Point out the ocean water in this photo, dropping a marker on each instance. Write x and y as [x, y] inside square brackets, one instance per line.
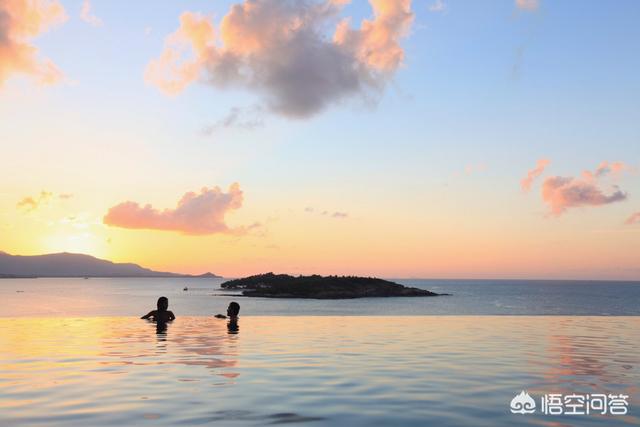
[316, 371]
[74, 353]
[130, 297]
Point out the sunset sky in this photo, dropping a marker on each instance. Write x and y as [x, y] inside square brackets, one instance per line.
[398, 138]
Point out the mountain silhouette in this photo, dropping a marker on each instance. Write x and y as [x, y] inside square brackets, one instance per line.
[75, 265]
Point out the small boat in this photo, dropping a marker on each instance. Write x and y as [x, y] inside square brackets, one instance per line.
[185, 289]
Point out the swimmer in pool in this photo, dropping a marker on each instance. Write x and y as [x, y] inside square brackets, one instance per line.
[162, 314]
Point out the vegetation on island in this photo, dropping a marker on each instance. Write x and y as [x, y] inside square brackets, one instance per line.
[271, 285]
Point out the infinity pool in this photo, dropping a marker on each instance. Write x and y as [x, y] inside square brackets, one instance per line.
[431, 370]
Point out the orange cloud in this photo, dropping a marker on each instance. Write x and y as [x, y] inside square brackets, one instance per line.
[196, 213]
[30, 203]
[533, 174]
[633, 219]
[281, 50]
[21, 20]
[376, 43]
[562, 193]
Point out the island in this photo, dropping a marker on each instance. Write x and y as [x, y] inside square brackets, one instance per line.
[272, 285]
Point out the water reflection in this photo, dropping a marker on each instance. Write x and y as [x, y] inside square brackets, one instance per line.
[582, 358]
[232, 327]
[161, 328]
[373, 371]
[186, 341]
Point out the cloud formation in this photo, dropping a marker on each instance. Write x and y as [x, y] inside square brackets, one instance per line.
[606, 168]
[336, 214]
[633, 219]
[562, 193]
[28, 204]
[31, 203]
[527, 181]
[281, 50]
[529, 5]
[196, 213]
[87, 16]
[238, 118]
[20, 21]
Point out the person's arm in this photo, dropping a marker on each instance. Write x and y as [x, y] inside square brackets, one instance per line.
[220, 316]
[171, 316]
[149, 314]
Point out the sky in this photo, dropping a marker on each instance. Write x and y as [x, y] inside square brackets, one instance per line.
[402, 139]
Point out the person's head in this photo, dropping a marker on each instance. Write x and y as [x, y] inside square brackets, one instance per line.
[233, 309]
[163, 304]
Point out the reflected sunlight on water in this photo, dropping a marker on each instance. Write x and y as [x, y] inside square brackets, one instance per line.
[440, 370]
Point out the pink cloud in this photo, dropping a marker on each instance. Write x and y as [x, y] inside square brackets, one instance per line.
[606, 168]
[87, 16]
[562, 193]
[196, 213]
[528, 5]
[533, 174]
[633, 219]
[283, 51]
[20, 21]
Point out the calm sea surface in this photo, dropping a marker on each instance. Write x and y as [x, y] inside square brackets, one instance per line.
[74, 353]
[130, 297]
[320, 370]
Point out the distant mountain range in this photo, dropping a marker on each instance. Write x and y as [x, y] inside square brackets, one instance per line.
[75, 265]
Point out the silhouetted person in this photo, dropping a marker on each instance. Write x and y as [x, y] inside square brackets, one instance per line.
[162, 315]
[232, 312]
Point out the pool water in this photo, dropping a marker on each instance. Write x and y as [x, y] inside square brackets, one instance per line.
[322, 370]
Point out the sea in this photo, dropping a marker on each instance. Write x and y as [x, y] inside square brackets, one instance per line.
[74, 352]
[204, 297]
